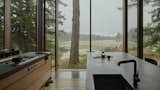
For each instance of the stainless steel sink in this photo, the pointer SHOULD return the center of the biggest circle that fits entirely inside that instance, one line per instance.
(111, 82)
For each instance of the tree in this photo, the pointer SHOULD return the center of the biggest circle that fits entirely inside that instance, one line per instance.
(1, 23)
(23, 24)
(50, 24)
(50, 21)
(74, 54)
(152, 30)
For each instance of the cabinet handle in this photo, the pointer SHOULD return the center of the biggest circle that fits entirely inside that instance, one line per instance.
(33, 67)
(28, 69)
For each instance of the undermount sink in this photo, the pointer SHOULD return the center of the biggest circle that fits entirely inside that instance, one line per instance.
(111, 82)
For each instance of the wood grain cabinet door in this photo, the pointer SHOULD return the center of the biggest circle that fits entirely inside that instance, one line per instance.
(6, 82)
(43, 74)
(29, 78)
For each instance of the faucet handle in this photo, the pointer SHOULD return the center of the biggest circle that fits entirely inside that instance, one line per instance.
(136, 80)
(136, 76)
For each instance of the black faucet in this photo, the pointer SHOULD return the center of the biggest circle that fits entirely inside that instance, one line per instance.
(135, 76)
(103, 55)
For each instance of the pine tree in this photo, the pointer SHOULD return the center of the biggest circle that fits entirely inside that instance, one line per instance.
(23, 24)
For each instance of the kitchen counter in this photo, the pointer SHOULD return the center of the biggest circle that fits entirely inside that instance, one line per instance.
(8, 69)
(148, 73)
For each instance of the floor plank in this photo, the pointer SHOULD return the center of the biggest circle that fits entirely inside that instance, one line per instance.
(68, 80)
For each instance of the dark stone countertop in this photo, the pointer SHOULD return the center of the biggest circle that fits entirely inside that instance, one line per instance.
(7, 69)
(148, 73)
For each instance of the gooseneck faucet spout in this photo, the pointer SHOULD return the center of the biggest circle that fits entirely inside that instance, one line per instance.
(135, 76)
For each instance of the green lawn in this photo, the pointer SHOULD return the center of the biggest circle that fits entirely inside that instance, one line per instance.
(63, 64)
(96, 44)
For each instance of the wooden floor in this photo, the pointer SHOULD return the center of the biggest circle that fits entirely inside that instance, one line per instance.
(68, 80)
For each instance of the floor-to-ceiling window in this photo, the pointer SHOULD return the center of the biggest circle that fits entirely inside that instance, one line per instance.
(1, 22)
(151, 29)
(132, 27)
(50, 26)
(107, 25)
(65, 29)
(84, 40)
(23, 25)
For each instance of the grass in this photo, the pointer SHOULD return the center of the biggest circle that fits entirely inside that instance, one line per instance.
(64, 64)
(96, 45)
(105, 45)
(132, 48)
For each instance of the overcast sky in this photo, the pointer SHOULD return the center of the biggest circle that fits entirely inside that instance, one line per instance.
(106, 18)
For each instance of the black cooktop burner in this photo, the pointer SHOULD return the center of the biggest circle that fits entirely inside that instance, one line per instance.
(17, 60)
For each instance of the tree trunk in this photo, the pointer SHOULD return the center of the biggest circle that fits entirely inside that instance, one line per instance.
(7, 25)
(74, 54)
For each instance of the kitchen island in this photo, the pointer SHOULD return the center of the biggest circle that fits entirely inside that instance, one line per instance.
(148, 74)
(28, 71)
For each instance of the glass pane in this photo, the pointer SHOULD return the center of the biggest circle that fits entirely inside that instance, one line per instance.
(107, 25)
(84, 43)
(132, 27)
(23, 25)
(50, 27)
(152, 29)
(65, 34)
(1, 22)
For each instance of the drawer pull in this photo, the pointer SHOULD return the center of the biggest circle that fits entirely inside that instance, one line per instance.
(28, 69)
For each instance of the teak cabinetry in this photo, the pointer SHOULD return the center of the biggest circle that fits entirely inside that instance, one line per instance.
(32, 77)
